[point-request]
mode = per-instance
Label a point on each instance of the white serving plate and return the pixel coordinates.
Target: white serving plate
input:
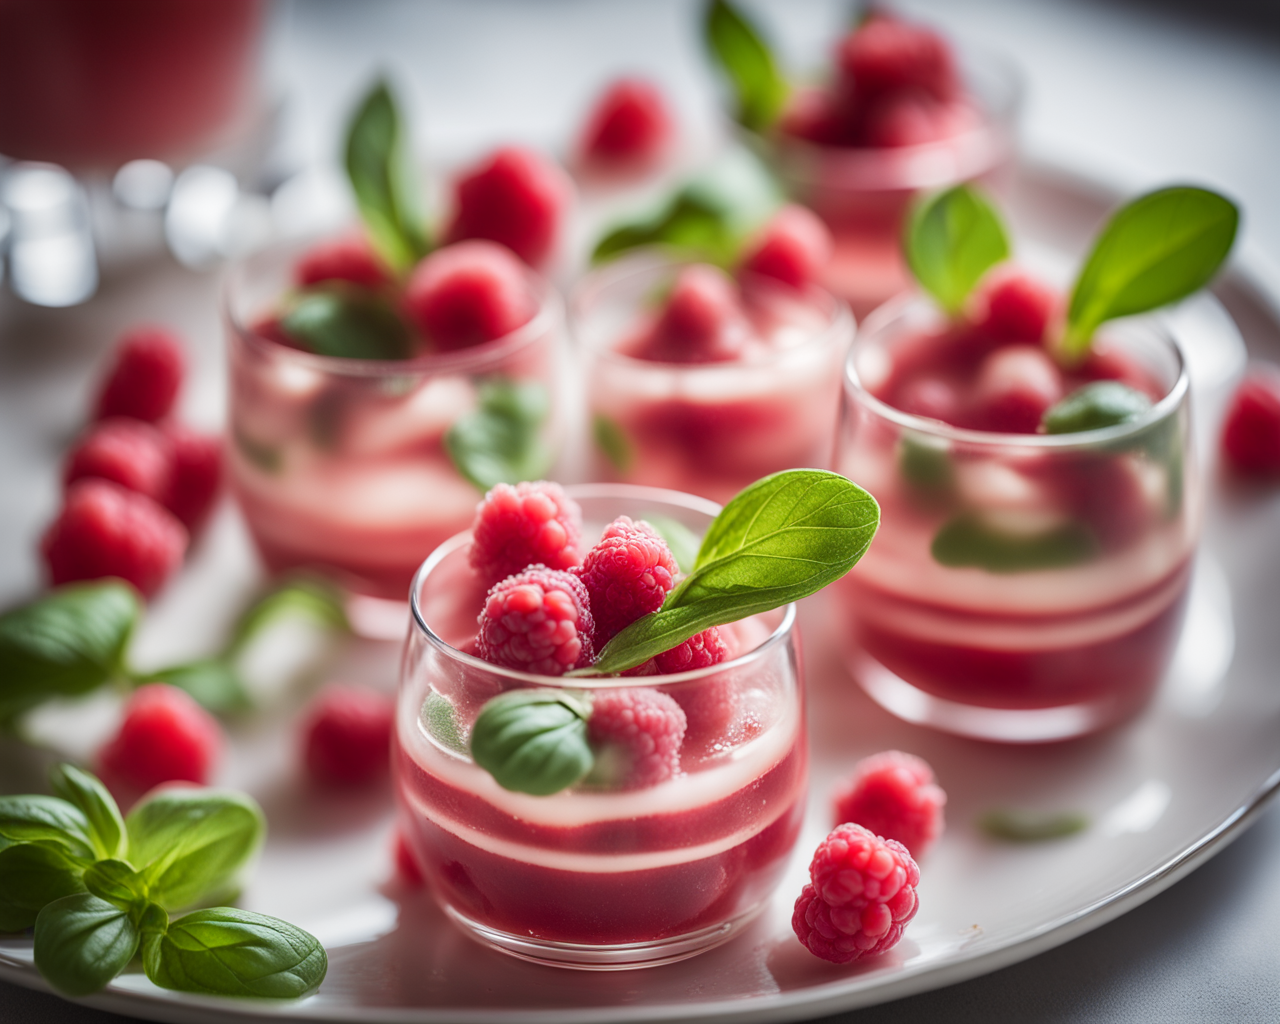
(1163, 794)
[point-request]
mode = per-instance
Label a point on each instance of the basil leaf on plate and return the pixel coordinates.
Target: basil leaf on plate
(37, 818)
(968, 541)
(1025, 827)
(82, 942)
(213, 682)
(760, 91)
(1102, 403)
(117, 883)
(952, 239)
(33, 875)
(533, 741)
(501, 441)
(86, 792)
(347, 324)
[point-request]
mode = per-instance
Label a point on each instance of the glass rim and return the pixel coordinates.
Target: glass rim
(550, 311)
(588, 491)
(883, 318)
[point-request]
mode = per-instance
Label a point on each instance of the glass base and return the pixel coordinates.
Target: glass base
(621, 957)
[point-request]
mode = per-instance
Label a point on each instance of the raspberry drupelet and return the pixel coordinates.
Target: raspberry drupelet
(895, 796)
(165, 737)
(862, 894)
(627, 574)
(145, 376)
(636, 736)
(128, 452)
(346, 736)
(525, 524)
(537, 621)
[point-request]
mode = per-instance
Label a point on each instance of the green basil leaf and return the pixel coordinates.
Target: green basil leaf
(501, 441)
(116, 882)
(1159, 248)
(760, 91)
(228, 952)
(378, 164)
(969, 541)
(533, 741)
(213, 682)
(106, 826)
(925, 465)
(1103, 403)
(190, 843)
(441, 722)
(1023, 827)
(37, 818)
(302, 595)
(953, 238)
(682, 541)
(33, 875)
(67, 643)
(612, 441)
(83, 942)
(779, 540)
(347, 324)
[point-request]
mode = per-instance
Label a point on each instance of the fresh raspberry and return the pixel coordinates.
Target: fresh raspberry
(885, 55)
(525, 524)
(350, 258)
(165, 737)
(537, 621)
(406, 863)
(467, 294)
(930, 397)
(702, 322)
(701, 650)
(795, 247)
(910, 118)
(105, 530)
(1251, 435)
(636, 736)
(627, 575)
(710, 704)
(346, 736)
(1016, 308)
(1015, 385)
(629, 127)
(861, 897)
(895, 796)
(515, 197)
(195, 473)
(129, 452)
(145, 376)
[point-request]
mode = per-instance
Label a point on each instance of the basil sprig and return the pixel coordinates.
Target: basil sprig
(968, 541)
(98, 887)
(501, 442)
(1102, 403)
(347, 323)
(952, 239)
(760, 91)
(534, 741)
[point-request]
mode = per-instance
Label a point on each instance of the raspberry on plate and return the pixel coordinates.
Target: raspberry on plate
(350, 258)
(702, 322)
(628, 574)
(1251, 435)
(145, 376)
(468, 293)
(795, 247)
(106, 530)
(862, 894)
(636, 735)
(346, 736)
(165, 737)
(537, 621)
(128, 452)
(525, 524)
(895, 796)
(195, 473)
(629, 127)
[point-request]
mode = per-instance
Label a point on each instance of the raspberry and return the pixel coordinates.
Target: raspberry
(406, 863)
(145, 376)
(346, 736)
(699, 651)
(195, 474)
(627, 575)
(629, 127)
(636, 735)
(537, 621)
(795, 248)
(910, 118)
(467, 294)
(128, 452)
(165, 737)
(886, 55)
(105, 530)
(1251, 435)
(342, 259)
(516, 197)
(522, 525)
(1017, 309)
(894, 795)
(1015, 385)
(861, 897)
(702, 321)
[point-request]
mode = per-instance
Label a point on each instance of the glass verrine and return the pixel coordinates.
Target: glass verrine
(599, 876)
(1022, 587)
(708, 428)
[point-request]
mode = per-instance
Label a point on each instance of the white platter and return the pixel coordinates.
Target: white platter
(1162, 795)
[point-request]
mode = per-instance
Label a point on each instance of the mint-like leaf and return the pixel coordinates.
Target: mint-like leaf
(760, 91)
(612, 441)
(533, 741)
(86, 792)
(35, 818)
(1103, 403)
(347, 324)
(441, 722)
(31, 876)
(82, 942)
(1024, 827)
(117, 883)
(1157, 249)
(501, 440)
(952, 239)
(213, 682)
(968, 541)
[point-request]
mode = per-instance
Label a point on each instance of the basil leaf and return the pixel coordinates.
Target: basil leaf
(760, 91)
(1021, 827)
(191, 843)
(116, 882)
(1159, 248)
(230, 952)
(441, 722)
(84, 791)
(501, 442)
(779, 540)
(314, 598)
(346, 324)
(1104, 403)
(925, 465)
(33, 875)
(67, 643)
(968, 541)
(682, 541)
(213, 682)
(83, 942)
(953, 238)
(612, 441)
(378, 165)
(36, 818)
(533, 741)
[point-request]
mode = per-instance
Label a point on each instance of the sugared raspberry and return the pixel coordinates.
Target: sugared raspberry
(537, 621)
(885, 54)
(861, 896)
(467, 294)
(406, 863)
(629, 127)
(346, 736)
(165, 737)
(702, 322)
(1015, 385)
(1016, 308)
(636, 736)
(1251, 434)
(525, 524)
(145, 376)
(195, 473)
(105, 530)
(516, 197)
(895, 796)
(129, 452)
(794, 248)
(627, 575)
(350, 258)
